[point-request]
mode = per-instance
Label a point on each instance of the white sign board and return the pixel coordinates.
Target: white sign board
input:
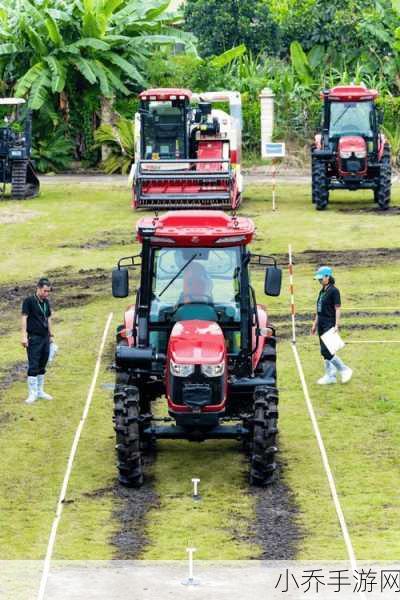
(274, 150)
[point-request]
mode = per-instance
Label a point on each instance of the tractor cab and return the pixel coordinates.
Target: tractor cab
(350, 152)
(195, 333)
(351, 112)
(15, 148)
(187, 152)
(164, 125)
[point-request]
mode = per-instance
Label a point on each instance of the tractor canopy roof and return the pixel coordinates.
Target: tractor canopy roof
(166, 94)
(351, 93)
(11, 101)
(191, 228)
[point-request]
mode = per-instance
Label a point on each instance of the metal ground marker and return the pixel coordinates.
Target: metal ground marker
(320, 442)
(190, 580)
(74, 447)
(196, 495)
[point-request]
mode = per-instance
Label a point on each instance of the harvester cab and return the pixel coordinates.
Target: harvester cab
(187, 153)
(350, 152)
(196, 336)
(15, 147)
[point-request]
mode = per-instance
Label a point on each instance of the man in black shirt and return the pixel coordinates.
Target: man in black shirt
(36, 336)
(328, 317)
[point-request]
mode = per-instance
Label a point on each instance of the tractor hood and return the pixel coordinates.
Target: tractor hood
(197, 342)
(352, 143)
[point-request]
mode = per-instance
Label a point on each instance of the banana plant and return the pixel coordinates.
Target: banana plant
(120, 138)
(101, 43)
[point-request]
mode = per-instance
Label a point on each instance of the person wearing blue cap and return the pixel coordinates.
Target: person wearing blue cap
(328, 316)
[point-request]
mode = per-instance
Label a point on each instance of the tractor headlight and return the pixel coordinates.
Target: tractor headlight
(180, 370)
(345, 154)
(213, 370)
(361, 153)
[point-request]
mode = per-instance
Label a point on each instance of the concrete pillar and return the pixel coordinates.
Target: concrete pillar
(267, 118)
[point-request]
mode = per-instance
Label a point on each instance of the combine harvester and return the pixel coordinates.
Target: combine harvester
(188, 153)
(350, 153)
(16, 167)
(195, 335)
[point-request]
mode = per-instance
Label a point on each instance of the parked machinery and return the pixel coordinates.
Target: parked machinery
(15, 148)
(350, 153)
(187, 151)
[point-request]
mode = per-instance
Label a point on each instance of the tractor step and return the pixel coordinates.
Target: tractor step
(176, 432)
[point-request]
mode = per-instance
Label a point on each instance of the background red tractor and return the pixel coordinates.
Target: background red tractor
(350, 153)
(187, 153)
(196, 335)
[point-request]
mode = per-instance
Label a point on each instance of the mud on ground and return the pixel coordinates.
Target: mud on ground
(276, 529)
(365, 257)
(134, 504)
(70, 289)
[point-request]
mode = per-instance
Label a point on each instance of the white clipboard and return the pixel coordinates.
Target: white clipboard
(332, 341)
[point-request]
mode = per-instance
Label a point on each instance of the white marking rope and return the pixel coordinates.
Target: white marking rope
(321, 445)
(291, 289)
(325, 462)
(64, 487)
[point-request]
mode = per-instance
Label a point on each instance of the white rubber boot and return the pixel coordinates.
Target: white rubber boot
(41, 393)
(345, 372)
(33, 390)
(330, 374)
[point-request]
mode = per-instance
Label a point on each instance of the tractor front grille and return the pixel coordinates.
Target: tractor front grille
(353, 165)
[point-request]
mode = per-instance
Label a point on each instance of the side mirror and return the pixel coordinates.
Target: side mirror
(380, 117)
(273, 281)
(120, 283)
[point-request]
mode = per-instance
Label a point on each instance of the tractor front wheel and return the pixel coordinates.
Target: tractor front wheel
(265, 430)
(383, 192)
(319, 184)
(127, 430)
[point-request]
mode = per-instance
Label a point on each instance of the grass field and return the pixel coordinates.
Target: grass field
(75, 236)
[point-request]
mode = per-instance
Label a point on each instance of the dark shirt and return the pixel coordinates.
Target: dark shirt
(328, 300)
(38, 313)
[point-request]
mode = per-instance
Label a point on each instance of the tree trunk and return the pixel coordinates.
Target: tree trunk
(107, 118)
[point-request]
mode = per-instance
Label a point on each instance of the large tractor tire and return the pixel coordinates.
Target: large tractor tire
(127, 430)
(383, 193)
(263, 465)
(319, 184)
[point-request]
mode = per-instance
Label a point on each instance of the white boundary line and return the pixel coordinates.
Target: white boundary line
(64, 487)
(321, 445)
(324, 456)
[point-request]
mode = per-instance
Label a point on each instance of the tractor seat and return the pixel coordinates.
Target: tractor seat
(195, 311)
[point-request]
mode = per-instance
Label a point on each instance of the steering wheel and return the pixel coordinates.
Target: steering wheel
(197, 302)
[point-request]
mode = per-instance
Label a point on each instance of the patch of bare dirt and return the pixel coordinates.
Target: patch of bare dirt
(70, 289)
(391, 211)
(343, 258)
(134, 505)
(276, 528)
(13, 217)
(9, 375)
(104, 240)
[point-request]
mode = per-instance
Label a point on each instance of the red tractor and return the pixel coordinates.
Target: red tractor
(196, 336)
(187, 153)
(350, 153)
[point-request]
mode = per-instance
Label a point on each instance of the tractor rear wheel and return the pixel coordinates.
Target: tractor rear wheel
(383, 192)
(127, 430)
(265, 429)
(319, 184)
